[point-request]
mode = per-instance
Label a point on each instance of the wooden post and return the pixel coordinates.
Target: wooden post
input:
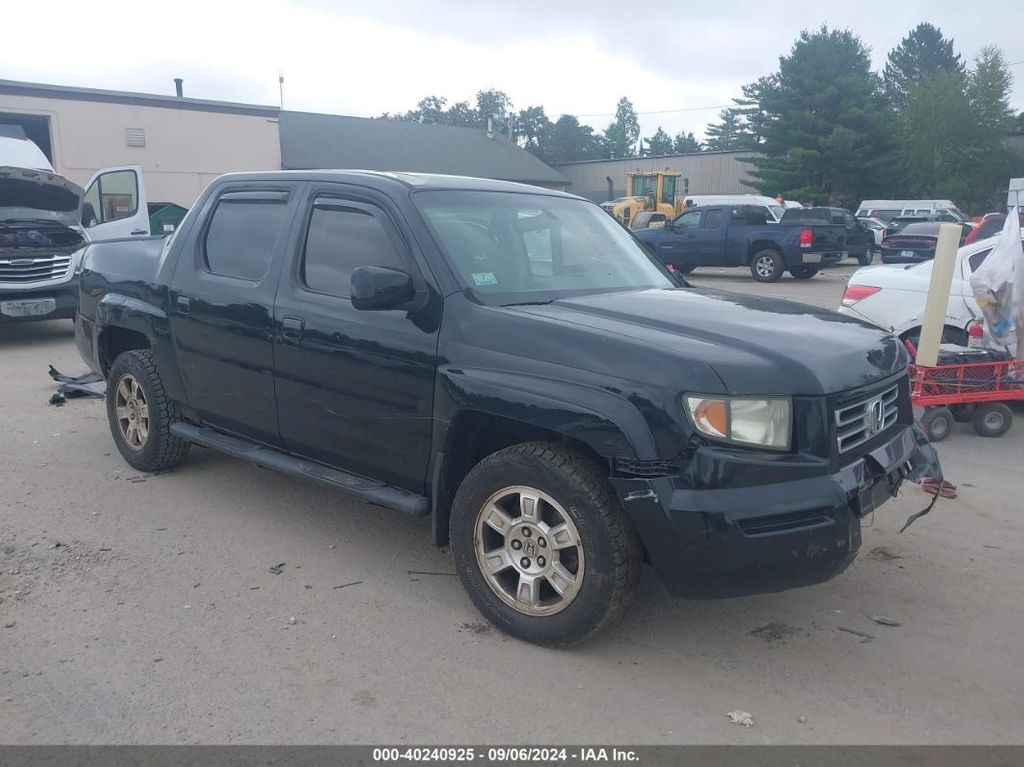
(938, 294)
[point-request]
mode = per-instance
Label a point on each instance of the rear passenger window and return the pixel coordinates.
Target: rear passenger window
(713, 219)
(340, 238)
(242, 234)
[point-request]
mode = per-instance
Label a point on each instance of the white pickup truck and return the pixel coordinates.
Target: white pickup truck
(46, 221)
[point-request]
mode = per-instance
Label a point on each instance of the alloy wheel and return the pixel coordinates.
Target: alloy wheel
(529, 551)
(132, 412)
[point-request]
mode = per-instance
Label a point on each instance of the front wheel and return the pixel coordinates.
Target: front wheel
(767, 265)
(803, 272)
(542, 544)
(865, 258)
(141, 414)
(937, 423)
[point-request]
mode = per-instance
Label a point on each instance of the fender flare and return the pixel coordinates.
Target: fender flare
(606, 422)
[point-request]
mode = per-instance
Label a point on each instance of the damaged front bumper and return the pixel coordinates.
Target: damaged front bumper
(709, 543)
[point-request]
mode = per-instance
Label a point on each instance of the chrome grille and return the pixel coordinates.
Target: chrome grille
(859, 422)
(37, 269)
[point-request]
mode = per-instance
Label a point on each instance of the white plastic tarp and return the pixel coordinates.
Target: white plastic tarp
(998, 287)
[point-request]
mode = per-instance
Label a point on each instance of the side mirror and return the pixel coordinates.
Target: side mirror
(377, 288)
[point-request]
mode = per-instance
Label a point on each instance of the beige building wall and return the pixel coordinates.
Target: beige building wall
(707, 173)
(184, 149)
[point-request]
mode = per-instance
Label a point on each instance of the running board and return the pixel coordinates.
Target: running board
(368, 490)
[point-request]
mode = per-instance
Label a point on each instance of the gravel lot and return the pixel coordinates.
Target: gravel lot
(140, 609)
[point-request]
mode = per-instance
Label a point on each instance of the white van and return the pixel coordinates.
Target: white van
(46, 221)
(773, 210)
(887, 210)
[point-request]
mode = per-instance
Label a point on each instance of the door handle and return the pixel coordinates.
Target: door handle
(291, 329)
(183, 304)
(138, 231)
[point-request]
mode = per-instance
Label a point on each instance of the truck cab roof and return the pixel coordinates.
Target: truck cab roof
(388, 179)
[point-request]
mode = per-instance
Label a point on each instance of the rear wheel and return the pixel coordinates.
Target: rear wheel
(803, 272)
(141, 414)
(992, 419)
(542, 544)
(685, 268)
(865, 258)
(937, 423)
(767, 265)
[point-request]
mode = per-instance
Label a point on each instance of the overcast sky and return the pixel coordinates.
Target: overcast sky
(364, 58)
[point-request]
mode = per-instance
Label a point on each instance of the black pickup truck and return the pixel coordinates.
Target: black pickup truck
(508, 361)
(740, 235)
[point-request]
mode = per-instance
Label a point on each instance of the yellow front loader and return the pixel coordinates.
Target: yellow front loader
(650, 192)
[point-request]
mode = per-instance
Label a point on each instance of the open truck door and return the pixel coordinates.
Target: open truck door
(115, 204)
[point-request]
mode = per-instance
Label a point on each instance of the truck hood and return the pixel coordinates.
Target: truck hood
(754, 345)
(41, 191)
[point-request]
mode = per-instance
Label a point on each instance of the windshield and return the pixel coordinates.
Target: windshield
(962, 217)
(512, 248)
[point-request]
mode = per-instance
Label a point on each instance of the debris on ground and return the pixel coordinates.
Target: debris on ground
(741, 718)
(801, 720)
(883, 554)
(948, 489)
(773, 631)
(865, 637)
(344, 585)
(72, 387)
(277, 569)
(885, 621)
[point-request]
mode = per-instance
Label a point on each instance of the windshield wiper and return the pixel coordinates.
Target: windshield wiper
(529, 303)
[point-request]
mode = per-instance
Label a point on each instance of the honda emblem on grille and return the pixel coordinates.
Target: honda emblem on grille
(874, 416)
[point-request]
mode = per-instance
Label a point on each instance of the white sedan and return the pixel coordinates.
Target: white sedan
(893, 296)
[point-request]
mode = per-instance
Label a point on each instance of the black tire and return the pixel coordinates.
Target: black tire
(803, 272)
(992, 419)
(684, 269)
(865, 258)
(767, 265)
(937, 423)
(160, 449)
(608, 542)
(963, 413)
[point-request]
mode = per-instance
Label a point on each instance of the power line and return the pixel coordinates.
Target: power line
(664, 111)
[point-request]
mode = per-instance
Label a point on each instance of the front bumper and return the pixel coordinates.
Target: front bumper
(65, 295)
(710, 543)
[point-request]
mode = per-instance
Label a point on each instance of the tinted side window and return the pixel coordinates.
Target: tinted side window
(241, 237)
(977, 259)
(713, 219)
(340, 238)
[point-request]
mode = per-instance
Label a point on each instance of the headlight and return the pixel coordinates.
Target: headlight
(760, 422)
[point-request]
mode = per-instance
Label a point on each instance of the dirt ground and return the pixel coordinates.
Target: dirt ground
(141, 609)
